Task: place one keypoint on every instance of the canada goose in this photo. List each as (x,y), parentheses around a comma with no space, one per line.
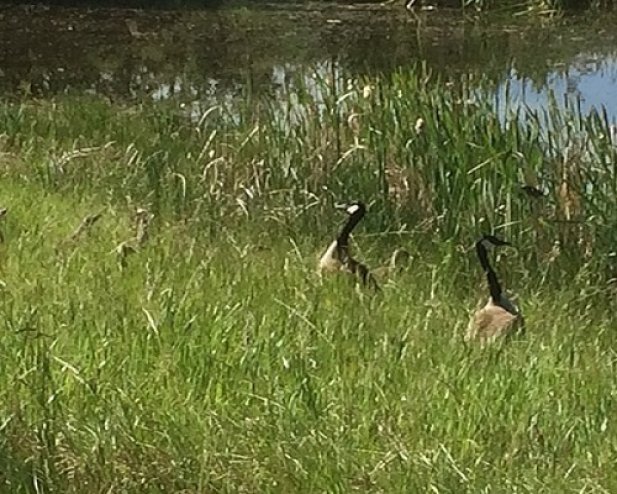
(337,256)
(499,316)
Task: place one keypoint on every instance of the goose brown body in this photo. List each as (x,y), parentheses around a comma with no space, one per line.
(499,317)
(332,260)
(492,322)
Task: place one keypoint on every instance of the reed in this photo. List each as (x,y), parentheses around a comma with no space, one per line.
(539,7)
(214,360)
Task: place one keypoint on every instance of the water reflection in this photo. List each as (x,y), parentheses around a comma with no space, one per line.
(211,57)
(588,81)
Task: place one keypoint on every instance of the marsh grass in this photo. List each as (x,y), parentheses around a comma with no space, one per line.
(539,7)
(216,360)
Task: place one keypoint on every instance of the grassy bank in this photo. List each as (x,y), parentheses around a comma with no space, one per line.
(213,359)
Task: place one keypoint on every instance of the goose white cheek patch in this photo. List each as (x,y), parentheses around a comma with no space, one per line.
(352,209)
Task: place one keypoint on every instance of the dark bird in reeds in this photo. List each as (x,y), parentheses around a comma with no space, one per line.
(532,191)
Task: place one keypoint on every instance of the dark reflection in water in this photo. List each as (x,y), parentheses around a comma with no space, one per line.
(201,54)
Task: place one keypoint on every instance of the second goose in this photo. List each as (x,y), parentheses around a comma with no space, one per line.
(499,317)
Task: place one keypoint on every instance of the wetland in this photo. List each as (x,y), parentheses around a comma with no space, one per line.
(170,180)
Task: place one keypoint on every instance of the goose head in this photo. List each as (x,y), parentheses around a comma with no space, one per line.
(356,208)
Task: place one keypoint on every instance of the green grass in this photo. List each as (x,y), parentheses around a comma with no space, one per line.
(216,360)
(540,6)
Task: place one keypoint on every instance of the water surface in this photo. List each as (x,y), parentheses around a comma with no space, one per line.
(201,54)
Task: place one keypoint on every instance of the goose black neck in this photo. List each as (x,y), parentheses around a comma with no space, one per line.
(350,224)
(491,276)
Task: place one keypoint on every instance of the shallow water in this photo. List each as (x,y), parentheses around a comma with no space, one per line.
(588,81)
(198,55)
